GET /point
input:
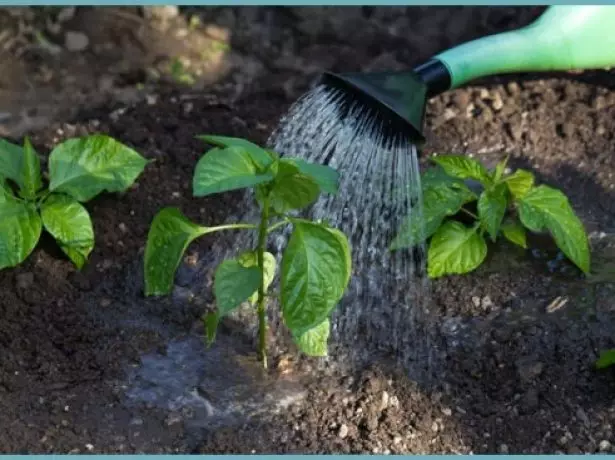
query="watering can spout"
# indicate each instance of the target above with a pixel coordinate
(563, 38)
(400, 97)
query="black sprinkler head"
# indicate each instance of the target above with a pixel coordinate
(397, 99)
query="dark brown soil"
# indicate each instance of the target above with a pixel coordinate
(520, 334)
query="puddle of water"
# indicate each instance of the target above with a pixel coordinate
(207, 388)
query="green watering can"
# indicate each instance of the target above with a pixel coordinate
(563, 38)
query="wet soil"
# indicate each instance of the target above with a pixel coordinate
(519, 335)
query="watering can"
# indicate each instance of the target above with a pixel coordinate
(564, 38)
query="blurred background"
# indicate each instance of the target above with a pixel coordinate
(58, 61)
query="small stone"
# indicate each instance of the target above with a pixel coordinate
(122, 227)
(487, 302)
(470, 110)
(343, 431)
(476, 301)
(503, 449)
(173, 418)
(529, 369)
(604, 446)
(161, 13)
(435, 427)
(449, 114)
(397, 440)
(76, 41)
(105, 303)
(562, 441)
(371, 423)
(89, 447)
(513, 88)
(497, 103)
(66, 14)
(384, 401)
(447, 411)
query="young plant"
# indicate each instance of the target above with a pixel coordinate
(79, 170)
(606, 359)
(507, 205)
(316, 265)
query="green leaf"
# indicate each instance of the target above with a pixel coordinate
(31, 179)
(234, 284)
(343, 240)
(87, 166)
(222, 170)
(70, 224)
(491, 209)
(463, 167)
(210, 321)
(455, 249)
(443, 196)
(250, 259)
(22, 166)
(169, 236)
(326, 177)
(545, 207)
(20, 230)
(4, 188)
(291, 189)
(314, 275)
(259, 156)
(499, 169)
(11, 159)
(606, 359)
(515, 233)
(313, 342)
(520, 183)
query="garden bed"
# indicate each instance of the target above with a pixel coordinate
(88, 365)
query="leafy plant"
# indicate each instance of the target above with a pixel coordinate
(79, 170)
(316, 265)
(507, 205)
(606, 359)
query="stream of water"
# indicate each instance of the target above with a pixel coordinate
(385, 307)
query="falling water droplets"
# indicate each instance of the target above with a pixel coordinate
(384, 309)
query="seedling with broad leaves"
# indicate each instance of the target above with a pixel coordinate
(79, 170)
(606, 359)
(508, 205)
(316, 264)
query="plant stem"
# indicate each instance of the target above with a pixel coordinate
(469, 213)
(262, 313)
(230, 227)
(277, 225)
